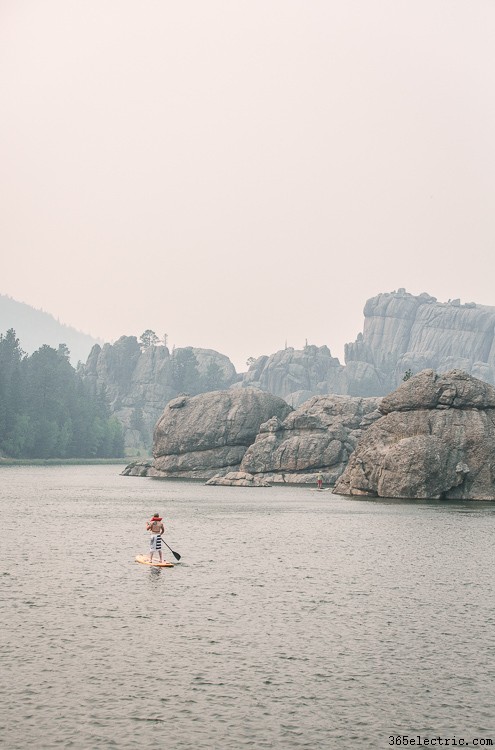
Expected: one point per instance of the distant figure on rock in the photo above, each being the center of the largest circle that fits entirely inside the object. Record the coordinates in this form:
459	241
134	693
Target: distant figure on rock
157	528
319	480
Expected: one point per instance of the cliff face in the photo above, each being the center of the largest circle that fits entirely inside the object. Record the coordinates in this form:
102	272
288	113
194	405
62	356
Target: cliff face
401	332
404	332
289	371
297	375
139	382
436	439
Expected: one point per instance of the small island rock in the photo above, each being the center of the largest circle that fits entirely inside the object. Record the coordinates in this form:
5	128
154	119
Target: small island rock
436	439
238	479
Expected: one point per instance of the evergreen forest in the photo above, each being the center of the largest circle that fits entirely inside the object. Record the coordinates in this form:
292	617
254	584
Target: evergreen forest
46	411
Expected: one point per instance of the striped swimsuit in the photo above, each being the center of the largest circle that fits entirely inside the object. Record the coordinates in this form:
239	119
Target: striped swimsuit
156	542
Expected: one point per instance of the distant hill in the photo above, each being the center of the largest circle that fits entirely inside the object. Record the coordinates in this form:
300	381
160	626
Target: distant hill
36	327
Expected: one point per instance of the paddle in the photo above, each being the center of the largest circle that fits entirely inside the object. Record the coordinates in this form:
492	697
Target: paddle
175	554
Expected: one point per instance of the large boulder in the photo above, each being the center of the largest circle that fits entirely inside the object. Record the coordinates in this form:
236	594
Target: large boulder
319	436
436	439
197	437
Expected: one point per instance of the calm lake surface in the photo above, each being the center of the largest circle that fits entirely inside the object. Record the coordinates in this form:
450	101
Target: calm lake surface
295	619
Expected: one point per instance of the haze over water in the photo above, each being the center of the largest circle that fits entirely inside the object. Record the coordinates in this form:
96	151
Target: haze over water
296	619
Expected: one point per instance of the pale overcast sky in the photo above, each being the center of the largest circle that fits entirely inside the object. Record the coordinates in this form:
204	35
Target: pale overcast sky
242	173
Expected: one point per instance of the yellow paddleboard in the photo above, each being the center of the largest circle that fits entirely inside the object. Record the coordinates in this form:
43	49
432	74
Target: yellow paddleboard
146	561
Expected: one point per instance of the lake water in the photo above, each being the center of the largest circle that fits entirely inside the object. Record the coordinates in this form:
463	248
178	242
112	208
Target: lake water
295	619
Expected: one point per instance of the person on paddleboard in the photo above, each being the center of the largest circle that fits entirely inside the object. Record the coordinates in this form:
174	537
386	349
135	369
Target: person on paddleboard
157	528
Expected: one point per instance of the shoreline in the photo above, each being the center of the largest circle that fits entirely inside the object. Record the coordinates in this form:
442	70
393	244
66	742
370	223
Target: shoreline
61	461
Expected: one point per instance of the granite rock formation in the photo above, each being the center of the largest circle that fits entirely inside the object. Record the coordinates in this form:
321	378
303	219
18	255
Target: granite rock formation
246	437
137	469
200	436
435	439
318	437
297	375
405	332
237	479
293	374
139	382
401	332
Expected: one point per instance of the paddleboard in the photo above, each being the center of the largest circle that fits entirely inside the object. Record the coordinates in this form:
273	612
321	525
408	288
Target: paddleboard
146	561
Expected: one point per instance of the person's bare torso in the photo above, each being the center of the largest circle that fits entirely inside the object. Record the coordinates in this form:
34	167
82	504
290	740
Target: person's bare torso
156	527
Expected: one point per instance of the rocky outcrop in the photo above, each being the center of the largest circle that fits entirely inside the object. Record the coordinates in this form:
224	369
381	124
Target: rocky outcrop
138	382
289	371
297	375
405	332
435	439
402	332
198	437
226	436
318	437
237	479
137	469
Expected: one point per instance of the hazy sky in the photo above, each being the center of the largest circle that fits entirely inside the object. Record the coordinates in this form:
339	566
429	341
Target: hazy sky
242	173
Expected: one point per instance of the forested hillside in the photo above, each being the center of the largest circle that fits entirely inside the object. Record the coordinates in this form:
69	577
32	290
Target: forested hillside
46	411
36	327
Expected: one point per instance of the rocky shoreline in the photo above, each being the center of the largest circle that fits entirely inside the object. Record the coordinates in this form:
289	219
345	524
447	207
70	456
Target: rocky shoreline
433	437
434	440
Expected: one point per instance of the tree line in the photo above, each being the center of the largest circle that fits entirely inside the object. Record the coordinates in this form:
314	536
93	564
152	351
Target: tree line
186	376
46	411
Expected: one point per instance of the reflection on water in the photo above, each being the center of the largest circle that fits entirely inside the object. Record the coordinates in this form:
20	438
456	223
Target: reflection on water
294	620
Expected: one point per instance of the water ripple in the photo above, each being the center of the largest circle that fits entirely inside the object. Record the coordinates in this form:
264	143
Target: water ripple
293	622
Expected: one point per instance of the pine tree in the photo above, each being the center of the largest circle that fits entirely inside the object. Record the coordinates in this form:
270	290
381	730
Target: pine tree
148	338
